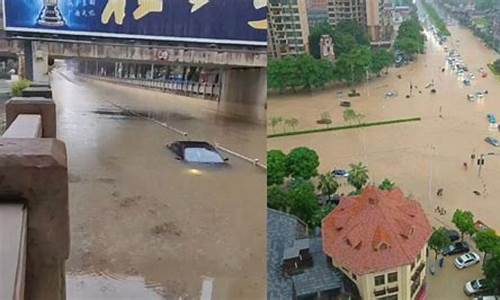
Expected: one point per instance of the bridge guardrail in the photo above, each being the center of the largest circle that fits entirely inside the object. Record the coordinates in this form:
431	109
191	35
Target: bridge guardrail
33	168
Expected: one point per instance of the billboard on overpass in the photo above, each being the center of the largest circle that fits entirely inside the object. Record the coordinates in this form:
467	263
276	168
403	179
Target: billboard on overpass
241	22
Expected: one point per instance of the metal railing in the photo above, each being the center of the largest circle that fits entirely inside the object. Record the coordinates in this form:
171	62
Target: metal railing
184	87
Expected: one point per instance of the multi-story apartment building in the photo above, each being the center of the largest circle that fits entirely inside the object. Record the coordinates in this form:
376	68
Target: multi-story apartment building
372	14
379	241
317	12
288	28
339	10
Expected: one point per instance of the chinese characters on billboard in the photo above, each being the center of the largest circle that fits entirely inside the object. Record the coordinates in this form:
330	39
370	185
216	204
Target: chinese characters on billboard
206	21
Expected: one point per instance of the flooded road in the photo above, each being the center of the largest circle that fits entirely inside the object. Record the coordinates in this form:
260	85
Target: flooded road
138	212
419	157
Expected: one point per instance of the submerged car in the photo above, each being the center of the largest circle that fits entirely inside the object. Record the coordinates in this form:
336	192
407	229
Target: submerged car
467	260
488	297
471	97
340	173
491	118
492	141
456	248
197	152
475	286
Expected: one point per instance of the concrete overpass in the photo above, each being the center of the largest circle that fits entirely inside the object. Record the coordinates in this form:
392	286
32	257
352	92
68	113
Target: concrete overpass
242	67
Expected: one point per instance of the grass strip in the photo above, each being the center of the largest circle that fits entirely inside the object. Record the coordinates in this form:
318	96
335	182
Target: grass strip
307	131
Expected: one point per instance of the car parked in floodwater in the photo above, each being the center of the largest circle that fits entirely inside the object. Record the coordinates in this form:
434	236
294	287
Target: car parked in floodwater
197	152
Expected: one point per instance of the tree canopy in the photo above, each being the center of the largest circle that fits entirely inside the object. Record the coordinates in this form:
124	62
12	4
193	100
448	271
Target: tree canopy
487	240
277	198
303	200
302	162
327	184
464	221
491	270
410	39
299	72
387	185
438	240
358	176
276	167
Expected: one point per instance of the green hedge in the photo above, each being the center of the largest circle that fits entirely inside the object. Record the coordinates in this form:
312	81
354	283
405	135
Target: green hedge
343	127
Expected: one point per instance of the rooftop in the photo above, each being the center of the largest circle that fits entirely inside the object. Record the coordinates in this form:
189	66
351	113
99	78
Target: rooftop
375	231
286	236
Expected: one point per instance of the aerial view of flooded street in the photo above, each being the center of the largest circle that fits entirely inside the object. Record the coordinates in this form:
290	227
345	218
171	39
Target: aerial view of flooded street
422	156
138	214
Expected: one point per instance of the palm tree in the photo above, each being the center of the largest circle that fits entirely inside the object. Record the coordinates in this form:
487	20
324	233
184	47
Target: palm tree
327	185
358	176
387	185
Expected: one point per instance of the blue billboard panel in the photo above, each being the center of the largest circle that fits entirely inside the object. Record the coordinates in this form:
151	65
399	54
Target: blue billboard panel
205	21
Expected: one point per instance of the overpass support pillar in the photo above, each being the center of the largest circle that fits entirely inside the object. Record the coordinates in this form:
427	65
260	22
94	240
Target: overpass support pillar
244	92
36	58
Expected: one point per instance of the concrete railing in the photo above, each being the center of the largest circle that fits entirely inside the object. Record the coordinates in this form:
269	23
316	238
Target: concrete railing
188	88
34	217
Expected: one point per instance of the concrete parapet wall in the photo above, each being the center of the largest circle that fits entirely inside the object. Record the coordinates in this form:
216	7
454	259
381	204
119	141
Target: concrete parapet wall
159	55
36	170
39	106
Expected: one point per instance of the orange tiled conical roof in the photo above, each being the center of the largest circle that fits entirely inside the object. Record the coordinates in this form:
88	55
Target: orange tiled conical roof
375	231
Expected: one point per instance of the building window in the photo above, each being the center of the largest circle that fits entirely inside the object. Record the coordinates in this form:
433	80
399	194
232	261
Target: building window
354	276
379	280
392	277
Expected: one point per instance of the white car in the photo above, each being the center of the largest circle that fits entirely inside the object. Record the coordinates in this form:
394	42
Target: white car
467	260
490	297
475	286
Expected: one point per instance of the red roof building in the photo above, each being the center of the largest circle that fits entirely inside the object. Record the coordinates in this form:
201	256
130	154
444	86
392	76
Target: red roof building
375	231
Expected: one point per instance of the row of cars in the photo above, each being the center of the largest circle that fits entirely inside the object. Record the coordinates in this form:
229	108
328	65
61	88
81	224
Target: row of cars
467	258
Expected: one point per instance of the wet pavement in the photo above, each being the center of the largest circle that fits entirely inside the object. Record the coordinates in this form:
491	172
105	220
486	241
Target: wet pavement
149	222
419	157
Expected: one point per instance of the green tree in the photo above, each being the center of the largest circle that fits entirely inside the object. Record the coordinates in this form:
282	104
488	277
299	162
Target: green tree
327	184
381	58
315	36
277	198
349	34
464	221
487	240
387	185
491	270
439	240
276	167
353	66
358	176
320	214
302	162
292	122
304	203
410	39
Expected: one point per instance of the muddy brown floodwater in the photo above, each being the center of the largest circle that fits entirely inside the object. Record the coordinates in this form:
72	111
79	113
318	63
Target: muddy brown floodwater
144	222
419	156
